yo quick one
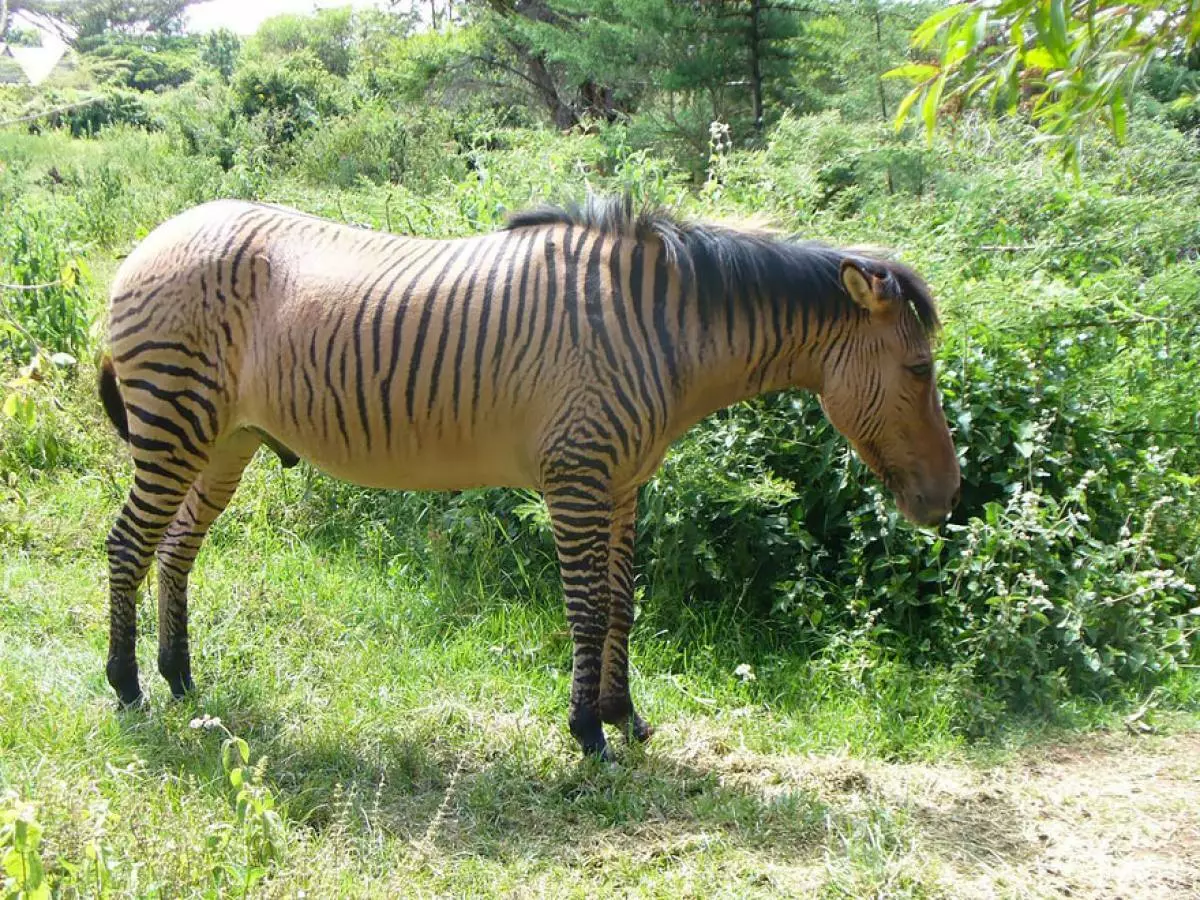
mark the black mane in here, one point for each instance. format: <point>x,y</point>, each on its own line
<point>720,260</point>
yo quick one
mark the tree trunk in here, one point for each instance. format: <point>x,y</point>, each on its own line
<point>756,78</point>
<point>883,108</point>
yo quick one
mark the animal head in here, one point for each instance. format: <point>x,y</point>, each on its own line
<point>880,390</point>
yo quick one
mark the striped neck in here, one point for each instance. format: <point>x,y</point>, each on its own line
<point>747,345</point>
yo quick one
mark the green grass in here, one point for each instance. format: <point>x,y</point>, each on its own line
<point>415,739</point>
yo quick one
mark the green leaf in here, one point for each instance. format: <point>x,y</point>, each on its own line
<point>929,106</point>
<point>1039,58</point>
<point>924,33</point>
<point>1119,112</point>
<point>914,71</point>
<point>906,104</point>
<point>10,406</point>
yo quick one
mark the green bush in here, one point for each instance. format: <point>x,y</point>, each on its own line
<point>113,107</point>
<point>44,298</point>
<point>381,145</point>
<point>289,95</point>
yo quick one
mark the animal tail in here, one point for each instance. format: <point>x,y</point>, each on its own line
<point>110,396</point>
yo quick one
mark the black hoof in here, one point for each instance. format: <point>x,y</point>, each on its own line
<point>181,686</point>
<point>123,676</point>
<point>176,668</point>
<point>637,730</point>
<point>588,730</point>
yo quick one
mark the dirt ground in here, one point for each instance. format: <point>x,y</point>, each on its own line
<point>1105,816</point>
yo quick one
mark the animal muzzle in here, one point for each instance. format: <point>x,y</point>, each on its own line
<point>930,503</point>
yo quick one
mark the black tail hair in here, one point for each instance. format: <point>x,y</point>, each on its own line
<point>110,396</point>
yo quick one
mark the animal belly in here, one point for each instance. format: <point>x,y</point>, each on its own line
<point>411,460</point>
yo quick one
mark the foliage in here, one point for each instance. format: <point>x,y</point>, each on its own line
<point>142,62</point>
<point>20,836</point>
<point>45,302</point>
<point>327,35</point>
<point>220,51</point>
<point>382,145</point>
<point>287,95</point>
<point>113,106</point>
<point>78,21</point>
<point>1070,64</point>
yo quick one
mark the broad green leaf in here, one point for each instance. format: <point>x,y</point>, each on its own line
<point>929,107</point>
<point>1039,58</point>
<point>927,30</point>
<point>10,406</point>
<point>1058,24</point>
<point>906,104</point>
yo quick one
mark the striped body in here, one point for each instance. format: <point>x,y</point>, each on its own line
<point>564,354</point>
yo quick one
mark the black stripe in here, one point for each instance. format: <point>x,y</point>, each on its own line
<point>164,424</point>
<point>661,329</point>
<point>172,397</point>
<point>522,296</point>
<point>505,300</point>
<point>331,394</point>
<point>435,252</point>
<point>118,336</point>
<point>178,371</point>
<point>482,334</point>
<point>146,301</point>
<point>633,354</point>
<point>551,296</point>
<point>448,315</point>
<point>241,252</point>
<point>636,279</point>
<point>423,329</point>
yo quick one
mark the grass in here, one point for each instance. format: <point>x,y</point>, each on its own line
<point>414,736</point>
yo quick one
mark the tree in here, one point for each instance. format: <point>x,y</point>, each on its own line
<point>1070,64</point>
<point>220,51</point>
<point>77,21</point>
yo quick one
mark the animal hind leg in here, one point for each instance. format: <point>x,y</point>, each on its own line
<point>160,483</point>
<point>615,704</point>
<point>206,499</point>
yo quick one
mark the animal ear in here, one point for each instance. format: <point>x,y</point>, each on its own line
<point>872,288</point>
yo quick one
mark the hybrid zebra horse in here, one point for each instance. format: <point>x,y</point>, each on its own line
<point>564,353</point>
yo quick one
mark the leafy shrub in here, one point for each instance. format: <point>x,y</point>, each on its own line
<point>289,94</point>
<point>147,62</point>
<point>381,145</point>
<point>45,304</point>
<point>114,107</point>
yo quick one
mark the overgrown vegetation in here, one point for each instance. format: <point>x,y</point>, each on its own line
<point>400,658</point>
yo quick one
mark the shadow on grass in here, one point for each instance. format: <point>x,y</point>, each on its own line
<point>514,800</point>
<point>438,790</point>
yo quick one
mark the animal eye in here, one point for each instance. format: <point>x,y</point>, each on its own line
<point>922,370</point>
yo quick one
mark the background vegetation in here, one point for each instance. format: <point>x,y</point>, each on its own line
<point>380,645</point>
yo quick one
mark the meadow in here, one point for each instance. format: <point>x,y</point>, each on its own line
<point>847,706</point>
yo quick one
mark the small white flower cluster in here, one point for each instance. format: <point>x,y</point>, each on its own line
<point>205,721</point>
<point>745,672</point>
